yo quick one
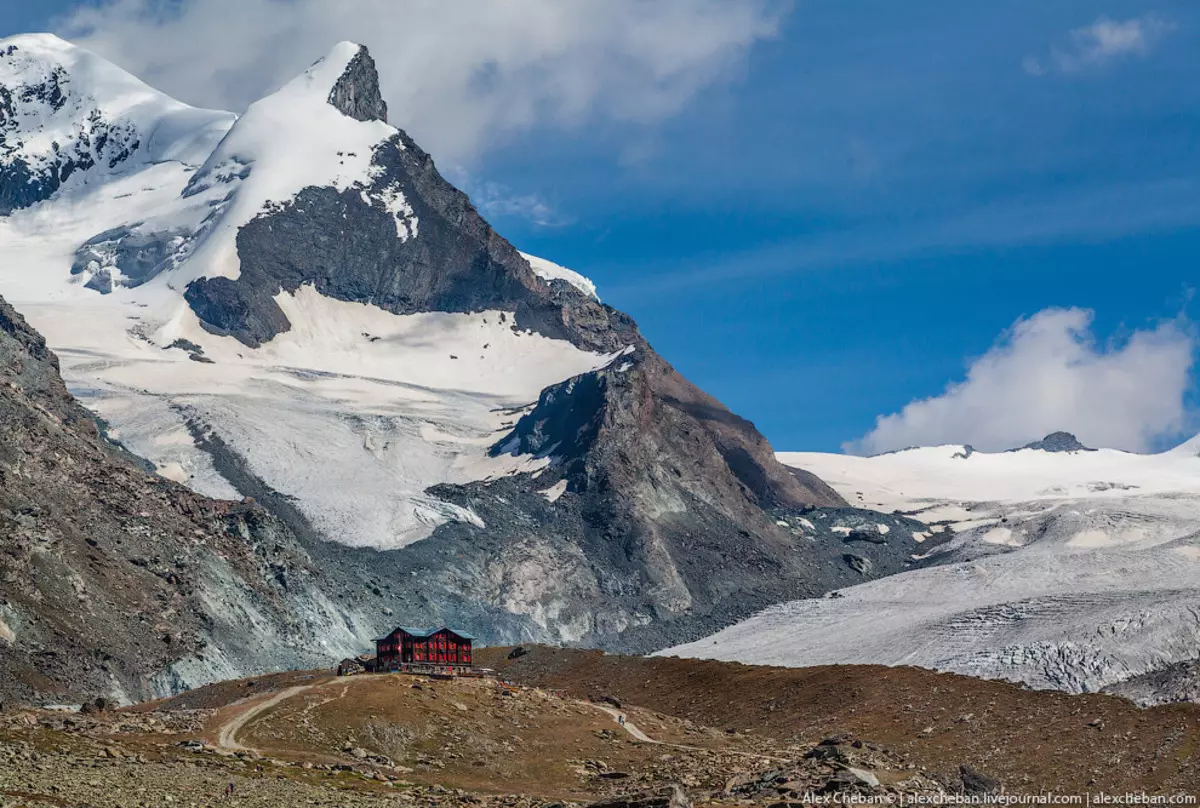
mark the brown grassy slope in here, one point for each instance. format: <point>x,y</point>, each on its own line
<point>473,734</point>
<point>1031,740</point>
<point>470,734</point>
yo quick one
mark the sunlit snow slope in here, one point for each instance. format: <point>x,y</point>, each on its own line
<point>1068,570</point>
<point>354,411</point>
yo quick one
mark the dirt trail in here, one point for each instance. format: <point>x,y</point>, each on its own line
<point>628,725</point>
<point>227,736</point>
<point>639,735</point>
<point>228,732</point>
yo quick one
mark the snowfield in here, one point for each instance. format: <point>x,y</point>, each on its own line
<point>1064,570</point>
<point>355,411</point>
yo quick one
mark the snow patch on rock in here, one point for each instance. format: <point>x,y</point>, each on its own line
<point>550,271</point>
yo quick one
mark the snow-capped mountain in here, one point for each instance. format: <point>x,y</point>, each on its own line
<point>293,305</point>
<point>1073,569</point>
<point>69,118</point>
<point>156,230</point>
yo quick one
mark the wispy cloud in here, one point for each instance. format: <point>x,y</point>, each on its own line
<point>460,75</point>
<point>499,201</point>
<point>1048,373</point>
<point>1090,211</point>
<point>1104,41</point>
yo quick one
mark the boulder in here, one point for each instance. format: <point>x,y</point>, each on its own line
<point>671,796</point>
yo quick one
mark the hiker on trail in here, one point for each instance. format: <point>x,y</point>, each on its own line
<point>621,720</point>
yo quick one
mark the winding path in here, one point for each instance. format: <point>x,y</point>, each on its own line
<point>227,736</point>
<point>638,735</point>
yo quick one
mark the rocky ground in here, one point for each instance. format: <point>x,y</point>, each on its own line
<point>544,734</point>
<point>1028,740</point>
<point>312,739</point>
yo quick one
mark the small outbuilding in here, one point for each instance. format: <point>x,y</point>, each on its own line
<point>408,647</point>
<point>363,663</point>
<point>350,666</point>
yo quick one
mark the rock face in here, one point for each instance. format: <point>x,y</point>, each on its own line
<point>357,94</point>
<point>345,244</point>
<point>109,576</point>
<point>655,488</point>
<point>1058,442</point>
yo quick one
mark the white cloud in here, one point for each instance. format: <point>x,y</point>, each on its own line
<point>1105,40</point>
<point>1047,373</point>
<point>497,201</point>
<point>460,75</point>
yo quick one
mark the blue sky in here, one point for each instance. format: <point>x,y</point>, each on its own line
<point>859,206</point>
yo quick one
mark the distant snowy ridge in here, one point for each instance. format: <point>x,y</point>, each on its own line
<point>1066,570</point>
<point>68,116</point>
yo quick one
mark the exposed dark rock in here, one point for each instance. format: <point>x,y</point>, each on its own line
<point>821,491</point>
<point>349,249</point>
<point>101,282</point>
<point>228,308</point>
<point>20,187</point>
<point>976,782</point>
<point>357,94</point>
<point>1057,442</point>
<point>672,796</point>
<point>857,563</point>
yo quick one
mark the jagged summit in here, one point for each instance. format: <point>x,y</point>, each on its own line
<point>1057,442</point>
<point>264,207</point>
<point>356,93</point>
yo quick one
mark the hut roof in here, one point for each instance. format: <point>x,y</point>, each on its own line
<point>428,632</point>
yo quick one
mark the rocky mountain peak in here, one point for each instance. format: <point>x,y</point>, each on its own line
<point>357,94</point>
<point>1058,442</point>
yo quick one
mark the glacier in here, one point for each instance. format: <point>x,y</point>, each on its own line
<point>1074,571</point>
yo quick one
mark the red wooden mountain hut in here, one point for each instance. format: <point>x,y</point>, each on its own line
<point>409,647</point>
